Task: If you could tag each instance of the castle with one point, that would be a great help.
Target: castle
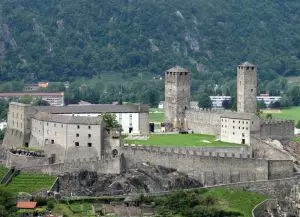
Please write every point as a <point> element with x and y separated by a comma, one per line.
<point>74,138</point>
<point>235,127</point>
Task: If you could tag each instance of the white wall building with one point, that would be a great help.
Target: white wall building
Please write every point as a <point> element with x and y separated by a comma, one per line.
<point>268,99</point>
<point>134,118</point>
<point>218,100</point>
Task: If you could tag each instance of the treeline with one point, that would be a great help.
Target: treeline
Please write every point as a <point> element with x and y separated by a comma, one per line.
<point>86,38</point>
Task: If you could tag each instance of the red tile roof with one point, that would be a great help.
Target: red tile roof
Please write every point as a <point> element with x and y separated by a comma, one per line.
<point>26,205</point>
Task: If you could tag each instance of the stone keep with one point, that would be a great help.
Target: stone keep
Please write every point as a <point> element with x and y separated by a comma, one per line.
<point>246,88</point>
<point>177,96</point>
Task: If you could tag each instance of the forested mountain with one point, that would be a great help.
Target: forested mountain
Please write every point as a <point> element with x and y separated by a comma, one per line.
<point>58,40</point>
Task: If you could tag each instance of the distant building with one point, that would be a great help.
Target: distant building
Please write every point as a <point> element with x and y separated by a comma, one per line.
<point>267,99</point>
<point>35,86</point>
<point>54,99</point>
<point>193,104</point>
<point>3,125</point>
<point>217,101</point>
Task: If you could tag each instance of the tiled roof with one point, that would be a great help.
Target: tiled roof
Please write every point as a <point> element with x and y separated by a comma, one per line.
<point>26,205</point>
<point>95,108</point>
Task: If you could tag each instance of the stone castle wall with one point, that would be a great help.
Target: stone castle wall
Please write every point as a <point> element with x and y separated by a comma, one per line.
<point>101,165</point>
<point>238,152</point>
<point>277,129</point>
<point>203,121</point>
<point>207,169</point>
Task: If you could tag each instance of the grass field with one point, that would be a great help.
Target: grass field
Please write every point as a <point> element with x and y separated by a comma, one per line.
<point>236,200</point>
<point>30,183</point>
<point>292,113</point>
<point>181,140</point>
<point>156,115</point>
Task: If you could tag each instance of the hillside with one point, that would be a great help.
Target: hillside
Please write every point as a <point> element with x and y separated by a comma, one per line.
<point>64,39</point>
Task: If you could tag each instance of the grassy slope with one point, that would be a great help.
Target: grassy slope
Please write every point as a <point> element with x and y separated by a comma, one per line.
<point>30,182</point>
<point>292,113</point>
<point>236,200</point>
<point>3,171</point>
<point>156,115</point>
<point>181,140</point>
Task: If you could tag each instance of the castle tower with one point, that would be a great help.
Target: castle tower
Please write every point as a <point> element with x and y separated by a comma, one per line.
<point>177,96</point>
<point>246,88</point>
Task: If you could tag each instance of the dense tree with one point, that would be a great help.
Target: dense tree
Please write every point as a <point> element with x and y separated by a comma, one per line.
<point>110,120</point>
<point>40,102</point>
<point>227,104</point>
<point>204,101</point>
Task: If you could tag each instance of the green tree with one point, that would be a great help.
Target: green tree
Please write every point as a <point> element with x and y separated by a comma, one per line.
<point>261,104</point>
<point>26,99</point>
<point>110,120</point>
<point>204,101</point>
<point>40,102</point>
<point>227,104</point>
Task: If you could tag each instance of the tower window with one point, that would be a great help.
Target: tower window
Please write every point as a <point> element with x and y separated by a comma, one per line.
<point>77,134</point>
<point>89,135</point>
<point>89,144</point>
<point>89,127</point>
<point>78,127</point>
<point>77,144</point>
<point>52,141</point>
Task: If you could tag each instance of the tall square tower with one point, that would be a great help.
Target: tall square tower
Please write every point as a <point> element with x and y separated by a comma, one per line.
<point>177,96</point>
<point>246,88</point>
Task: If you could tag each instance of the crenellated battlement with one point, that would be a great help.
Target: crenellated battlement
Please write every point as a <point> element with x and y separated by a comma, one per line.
<point>226,152</point>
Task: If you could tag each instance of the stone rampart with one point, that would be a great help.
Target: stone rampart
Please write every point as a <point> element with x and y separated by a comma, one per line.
<point>237,152</point>
<point>204,121</point>
<point>18,161</point>
<point>101,165</point>
<point>280,168</point>
<point>210,170</point>
<point>277,129</point>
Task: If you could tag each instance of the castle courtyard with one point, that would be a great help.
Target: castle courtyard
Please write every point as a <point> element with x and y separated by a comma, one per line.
<point>181,140</point>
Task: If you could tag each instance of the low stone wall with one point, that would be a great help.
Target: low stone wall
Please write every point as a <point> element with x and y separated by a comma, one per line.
<point>18,161</point>
<point>238,152</point>
<point>100,165</point>
<point>209,170</point>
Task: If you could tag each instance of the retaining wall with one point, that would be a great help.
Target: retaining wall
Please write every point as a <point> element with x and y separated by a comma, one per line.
<point>101,165</point>
<point>209,170</point>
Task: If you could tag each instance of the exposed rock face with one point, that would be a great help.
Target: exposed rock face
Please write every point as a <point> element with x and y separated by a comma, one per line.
<point>142,178</point>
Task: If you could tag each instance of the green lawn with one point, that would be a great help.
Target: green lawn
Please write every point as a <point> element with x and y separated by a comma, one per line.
<point>181,140</point>
<point>292,113</point>
<point>75,209</point>
<point>29,182</point>
<point>236,200</point>
<point>156,115</point>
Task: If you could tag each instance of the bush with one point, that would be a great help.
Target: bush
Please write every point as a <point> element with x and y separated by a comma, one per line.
<point>50,204</point>
<point>298,125</point>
